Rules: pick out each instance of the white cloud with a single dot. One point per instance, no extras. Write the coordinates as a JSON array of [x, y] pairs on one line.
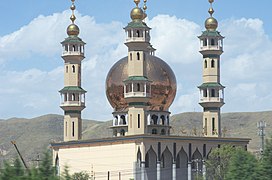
[[31, 90]]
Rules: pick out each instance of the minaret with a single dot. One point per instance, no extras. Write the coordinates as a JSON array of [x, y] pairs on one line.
[[137, 86], [211, 91], [73, 96]]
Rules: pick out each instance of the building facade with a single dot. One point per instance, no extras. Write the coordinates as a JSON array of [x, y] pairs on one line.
[[141, 87]]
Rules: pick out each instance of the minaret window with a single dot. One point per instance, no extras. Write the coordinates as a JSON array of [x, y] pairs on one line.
[[212, 64], [154, 118], [138, 87], [163, 132], [123, 118], [139, 120], [205, 92], [213, 125], [73, 129], [130, 56], [205, 42], [137, 33], [213, 93], [212, 42], [66, 69], [163, 120], [138, 56], [73, 68], [205, 64], [66, 127]]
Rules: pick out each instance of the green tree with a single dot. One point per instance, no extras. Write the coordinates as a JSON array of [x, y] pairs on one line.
[[242, 165], [46, 171], [65, 175], [13, 172], [266, 161], [81, 176], [218, 162]]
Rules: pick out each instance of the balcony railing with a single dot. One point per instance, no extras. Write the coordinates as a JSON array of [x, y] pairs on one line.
[[139, 39], [73, 103], [216, 47], [137, 94], [67, 53], [211, 99]]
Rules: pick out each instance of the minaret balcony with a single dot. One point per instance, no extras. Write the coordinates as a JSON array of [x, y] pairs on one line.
[[72, 53], [211, 99], [136, 39], [137, 94], [72, 103], [211, 47]]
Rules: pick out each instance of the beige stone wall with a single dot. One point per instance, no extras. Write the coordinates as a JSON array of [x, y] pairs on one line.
[[134, 128], [69, 120], [114, 158], [72, 78], [207, 118], [136, 67], [211, 74]]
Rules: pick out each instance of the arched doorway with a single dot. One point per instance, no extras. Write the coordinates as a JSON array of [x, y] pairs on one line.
[[182, 165], [151, 164], [197, 164], [166, 164]]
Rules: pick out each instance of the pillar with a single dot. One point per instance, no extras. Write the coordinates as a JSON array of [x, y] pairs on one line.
[[174, 171], [204, 170], [189, 170], [142, 170], [158, 170]]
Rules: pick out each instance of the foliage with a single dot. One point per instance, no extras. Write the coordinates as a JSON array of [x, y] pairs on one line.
[[266, 161], [81, 176], [243, 165], [218, 162]]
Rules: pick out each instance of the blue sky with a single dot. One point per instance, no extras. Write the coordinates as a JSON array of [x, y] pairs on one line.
[[31, 66]]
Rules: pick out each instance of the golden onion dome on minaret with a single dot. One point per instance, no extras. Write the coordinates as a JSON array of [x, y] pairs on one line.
[[211, 23], [137, 14], [73, 29]]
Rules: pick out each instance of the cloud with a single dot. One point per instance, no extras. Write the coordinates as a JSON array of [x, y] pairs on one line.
[[32, 69]]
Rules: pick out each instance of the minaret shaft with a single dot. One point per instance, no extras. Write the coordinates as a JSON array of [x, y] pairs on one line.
[[211, 91]]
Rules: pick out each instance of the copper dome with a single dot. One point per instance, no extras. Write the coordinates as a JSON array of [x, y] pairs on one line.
[[163, 86]]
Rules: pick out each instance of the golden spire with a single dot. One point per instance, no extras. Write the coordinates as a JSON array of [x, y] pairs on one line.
[[211, 23], [73, 29], [73, 7], [137, 2], [145, 8]]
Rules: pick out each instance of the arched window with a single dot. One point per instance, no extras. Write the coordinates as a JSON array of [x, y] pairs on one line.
[[163, 132], [213, 125], [130, 56], [205, 42], [212, 64], [116, 120], [213, 93], [138, 33], [74, 48], [163, 120], [154, 118], [115, 133], [205, 64], [154, 131], [122, 132], [123, 118], [73, 68], [205, 92], [138, 56], [66, 69], [73, 97], [138, 87], [212, 42]]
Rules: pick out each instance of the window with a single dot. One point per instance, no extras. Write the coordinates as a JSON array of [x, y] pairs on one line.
[[66, 125], [138, 87], [73, 97], [131, 56], [138, 33], [73, 129], [73, 68], [212, 42], [213, 125], [154, 131], [130, 120], [163, 132], [139, 120], [205, 42], [66, 69], [213, 93], [205, 92], [205, 64], [138, 56], [123, 118], [205, 127], [122, 132], [212, 64]]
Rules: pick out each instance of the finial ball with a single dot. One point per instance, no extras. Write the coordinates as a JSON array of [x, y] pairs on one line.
[[137, 2], [211, 1], [73, 30], [137, 14], [73, 7]]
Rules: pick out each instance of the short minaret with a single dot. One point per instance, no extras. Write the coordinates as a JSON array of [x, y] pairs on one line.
[[73, 96], [211, 91], [137, 86]]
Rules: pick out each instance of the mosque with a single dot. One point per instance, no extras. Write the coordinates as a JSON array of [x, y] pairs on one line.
[[141, 88]]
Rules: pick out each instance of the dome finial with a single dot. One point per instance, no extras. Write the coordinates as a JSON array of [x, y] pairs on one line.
[[145, 8], [73, 7], [211, 23], [137, 2], [73, 30]]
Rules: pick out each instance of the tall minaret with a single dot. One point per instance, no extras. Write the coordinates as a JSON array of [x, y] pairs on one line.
[[211, 91], [137, 86], [73, 96]]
